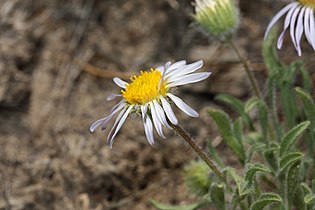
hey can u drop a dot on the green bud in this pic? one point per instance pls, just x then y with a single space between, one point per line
198 177
219 18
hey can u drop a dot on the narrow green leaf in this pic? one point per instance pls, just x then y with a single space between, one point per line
264 200
287 95
288 159
307 80
237 105
288 140
293 178
161 206
217 195
238 130
309 199
270 156
252 169
256 147
272 99
243 187
309 105
225 126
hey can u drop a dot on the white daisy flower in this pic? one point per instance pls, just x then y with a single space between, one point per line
300 18
149 94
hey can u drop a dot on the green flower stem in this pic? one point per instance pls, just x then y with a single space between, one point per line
198 150
247 69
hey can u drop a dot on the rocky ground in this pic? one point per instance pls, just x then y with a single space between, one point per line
57 59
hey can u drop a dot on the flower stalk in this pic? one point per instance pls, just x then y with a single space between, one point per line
179 130
247 69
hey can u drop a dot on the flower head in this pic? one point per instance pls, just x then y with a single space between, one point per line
219 18
149 94
299 18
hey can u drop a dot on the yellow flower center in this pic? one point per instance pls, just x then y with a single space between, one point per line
144 88
309 3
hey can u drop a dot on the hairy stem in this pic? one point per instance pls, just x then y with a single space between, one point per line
198 150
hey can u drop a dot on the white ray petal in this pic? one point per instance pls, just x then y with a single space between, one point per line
161 115
292 25
156 121
278 16
184 70
104 121
112 96
121 122
160 69
121 113
177 64
168 110
285 27
181 104
307 25
166 66
120 82
118 104
299 28
312 26
148 127
187 79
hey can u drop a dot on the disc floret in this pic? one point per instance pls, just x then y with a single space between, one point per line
145 88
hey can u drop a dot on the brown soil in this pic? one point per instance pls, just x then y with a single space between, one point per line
57 59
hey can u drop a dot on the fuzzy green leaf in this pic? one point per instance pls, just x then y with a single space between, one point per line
289 159
217 195
293 178
161 206
253 169
243 186
256 147
270 156
309 105
288 140
237 105
225 126
264 200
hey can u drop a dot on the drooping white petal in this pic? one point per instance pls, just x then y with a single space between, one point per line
278 16
181 104
161 115
121 113
120 82
118 104
97 123
188 79
184 70
307 25
148 127
121 122
104 121
168 110
156 121
112 96
285 27
292 25
299 28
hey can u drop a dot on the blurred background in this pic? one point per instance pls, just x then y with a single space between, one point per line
57 61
